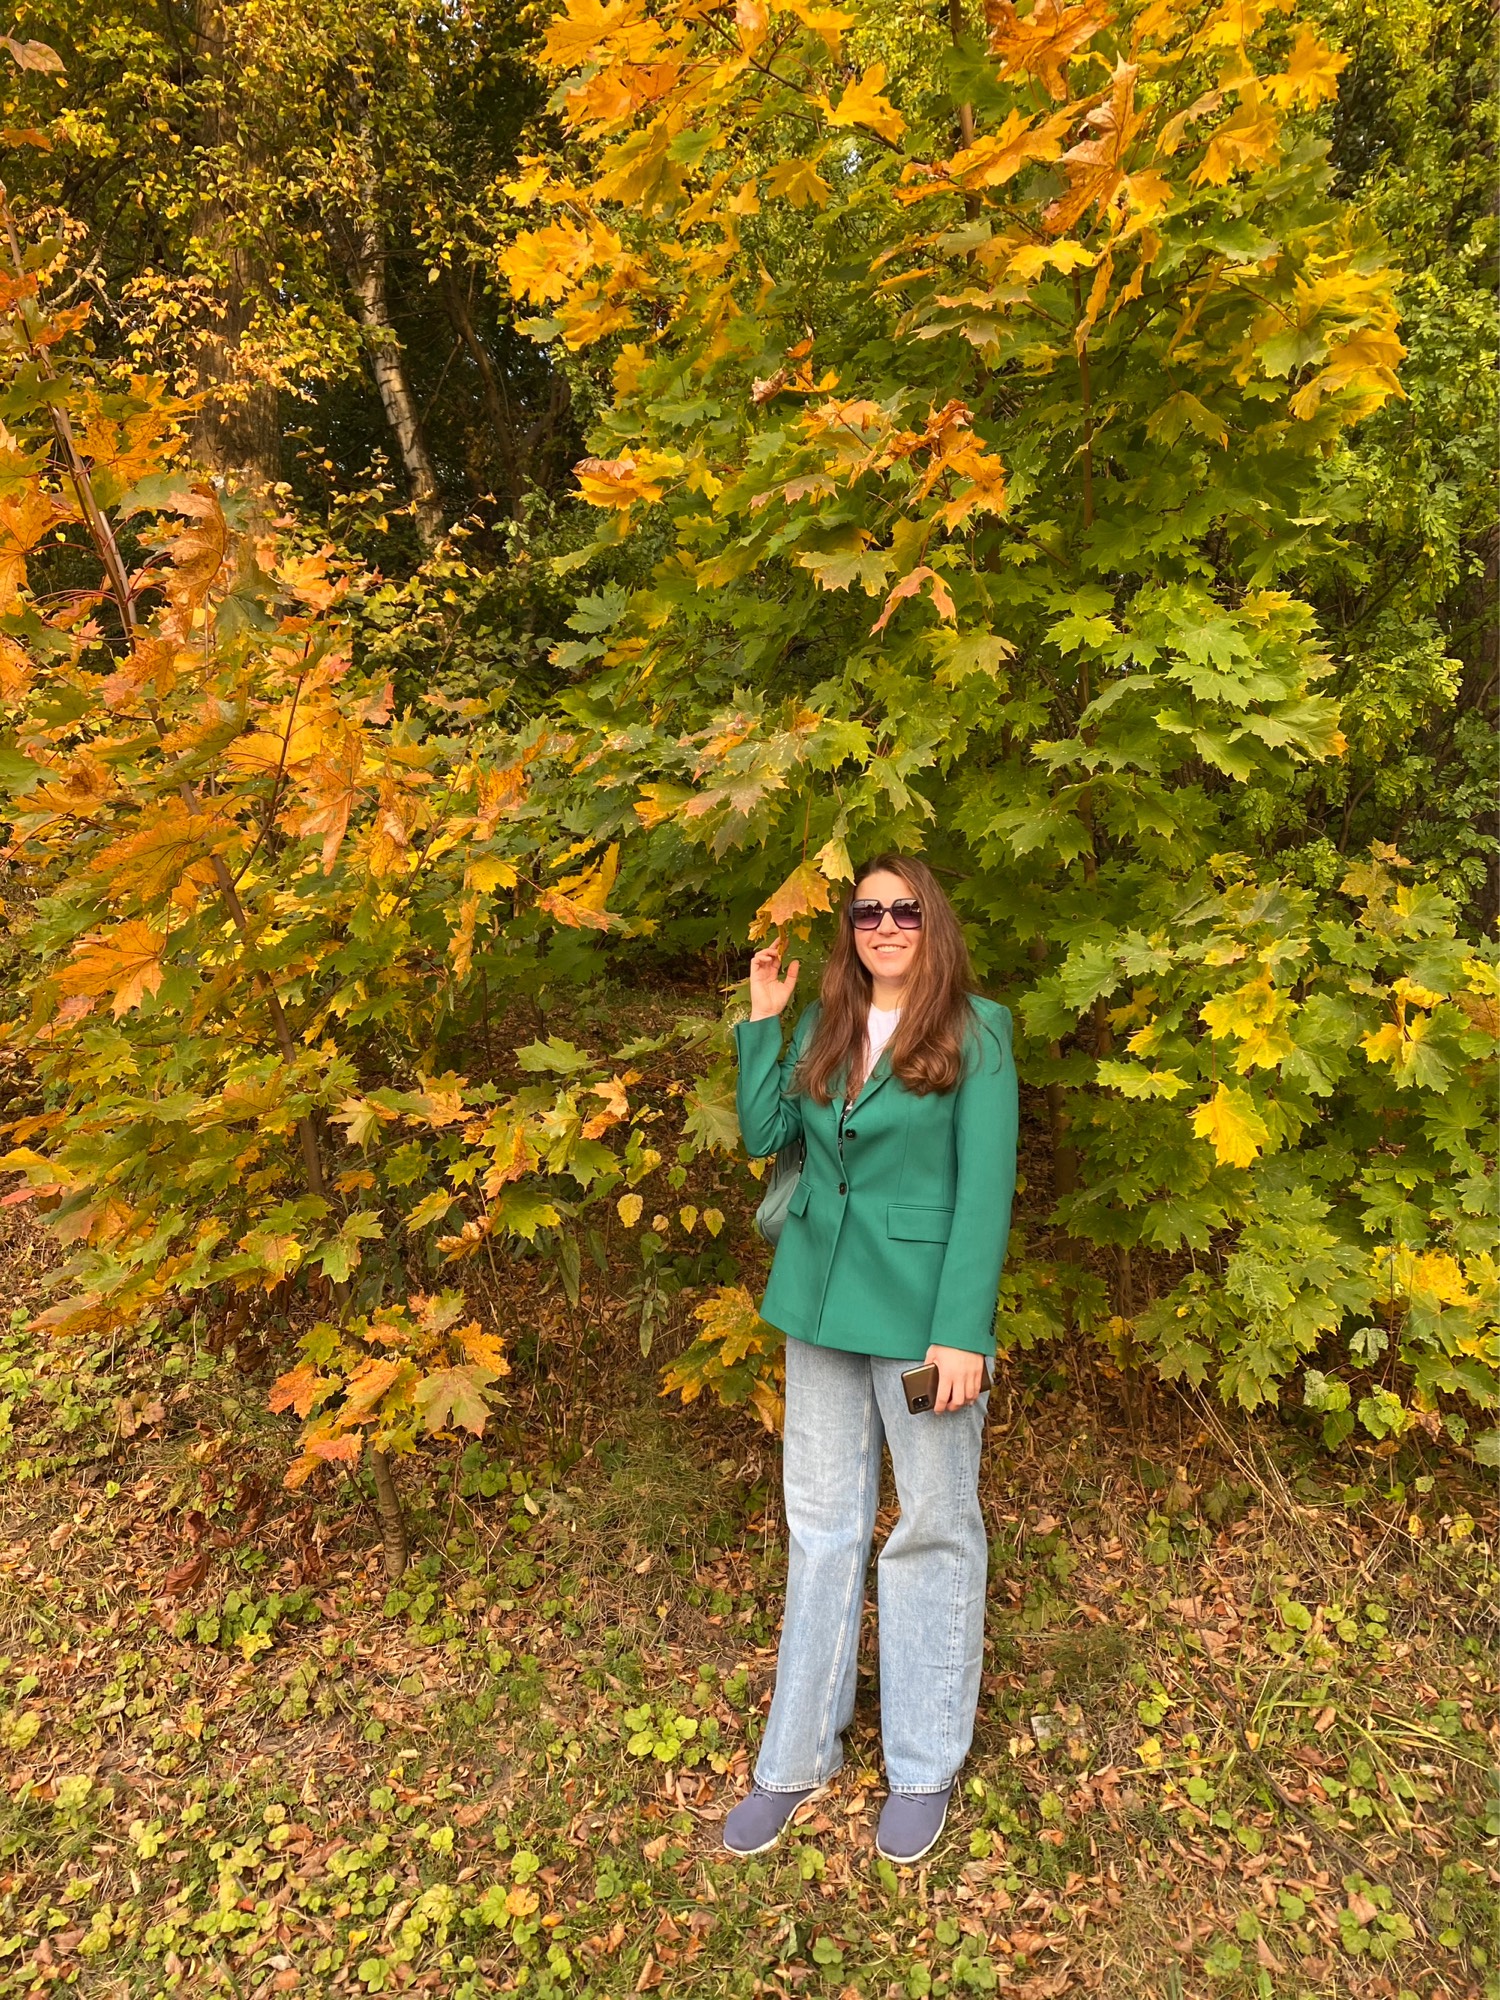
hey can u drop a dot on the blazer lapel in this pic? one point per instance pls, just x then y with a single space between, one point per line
873 1081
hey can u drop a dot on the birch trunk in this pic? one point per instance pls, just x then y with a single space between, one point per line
367 277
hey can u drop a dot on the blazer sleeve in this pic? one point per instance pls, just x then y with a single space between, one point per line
770 1113
985 1125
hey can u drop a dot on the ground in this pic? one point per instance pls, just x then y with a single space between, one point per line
1236 1736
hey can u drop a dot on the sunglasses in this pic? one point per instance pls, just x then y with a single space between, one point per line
865 914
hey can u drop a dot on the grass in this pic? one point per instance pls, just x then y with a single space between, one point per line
1236 1735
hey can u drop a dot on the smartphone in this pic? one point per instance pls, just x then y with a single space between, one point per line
921 1384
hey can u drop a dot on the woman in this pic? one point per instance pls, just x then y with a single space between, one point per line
899 1080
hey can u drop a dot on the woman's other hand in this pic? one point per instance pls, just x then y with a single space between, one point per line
770 988
960 1377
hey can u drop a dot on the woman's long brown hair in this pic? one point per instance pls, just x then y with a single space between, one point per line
927 1049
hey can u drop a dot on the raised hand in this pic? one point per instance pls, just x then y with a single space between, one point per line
770 988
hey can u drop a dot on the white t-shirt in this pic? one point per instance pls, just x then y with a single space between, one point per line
880 1026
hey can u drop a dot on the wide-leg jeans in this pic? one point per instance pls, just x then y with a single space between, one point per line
840 1410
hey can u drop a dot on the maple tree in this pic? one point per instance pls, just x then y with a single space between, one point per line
257 902
977 439
985 398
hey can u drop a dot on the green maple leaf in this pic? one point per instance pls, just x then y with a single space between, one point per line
553 1054
454 1399
523 1211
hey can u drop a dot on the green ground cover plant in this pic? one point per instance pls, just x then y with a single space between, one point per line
1237 1733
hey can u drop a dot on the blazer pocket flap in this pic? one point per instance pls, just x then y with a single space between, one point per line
918 1225
801 1195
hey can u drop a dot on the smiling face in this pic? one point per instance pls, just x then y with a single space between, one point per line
888 954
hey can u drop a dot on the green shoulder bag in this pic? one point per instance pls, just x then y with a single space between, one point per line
786 1171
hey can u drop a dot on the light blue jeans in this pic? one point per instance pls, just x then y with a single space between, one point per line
840 1409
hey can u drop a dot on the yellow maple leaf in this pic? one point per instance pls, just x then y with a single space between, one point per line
461 943
488 872
589 31
1033 258
326 790
545 264
197 553
1431 1276
1095 167
1232 1126
862 104
1247 139
388 846
1311 76
829 22
833 859
76 789
485 1350
800 183
1233 24
589 890
1365 361
628 1208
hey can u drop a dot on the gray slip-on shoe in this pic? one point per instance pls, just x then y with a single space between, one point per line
757 1822
910 1823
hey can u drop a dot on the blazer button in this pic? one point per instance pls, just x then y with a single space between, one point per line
851 1133
842 1188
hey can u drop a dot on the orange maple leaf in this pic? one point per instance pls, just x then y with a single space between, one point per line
615 482
803 895
1095 167
909 586
24 518
1048 39
298 1389
999 156
197 554
327 789
151 860
125 963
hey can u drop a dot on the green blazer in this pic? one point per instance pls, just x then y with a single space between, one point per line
895 1240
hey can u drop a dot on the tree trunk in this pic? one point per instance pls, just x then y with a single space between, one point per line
237 426
367 277
492 384
388 1510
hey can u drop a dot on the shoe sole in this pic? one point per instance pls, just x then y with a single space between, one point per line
906 1860
749 1853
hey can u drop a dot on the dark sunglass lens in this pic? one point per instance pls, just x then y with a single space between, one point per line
908 915
865 916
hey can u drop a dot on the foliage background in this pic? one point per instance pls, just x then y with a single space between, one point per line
986 437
